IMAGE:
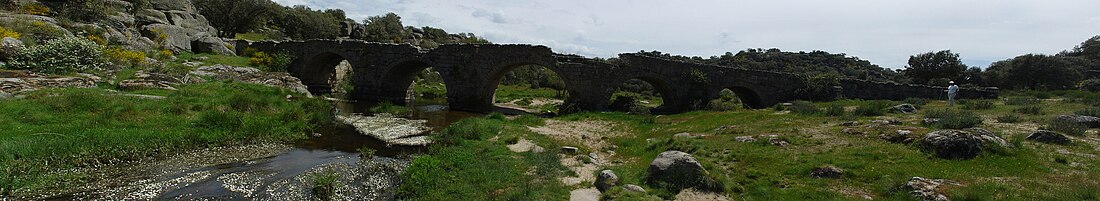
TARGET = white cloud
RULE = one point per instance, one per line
(884, 32)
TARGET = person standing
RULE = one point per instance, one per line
(952, 90)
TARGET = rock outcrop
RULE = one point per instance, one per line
(1049, 137)
(1089, 121)
(960, 144)
(248, 75)
(15, 82)
(389, 129)
(927, 189)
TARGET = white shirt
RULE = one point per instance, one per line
(953, 89)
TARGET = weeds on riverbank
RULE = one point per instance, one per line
(57, 129)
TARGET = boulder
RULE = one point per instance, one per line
(172, 5)
(176, 37)
(904, 109)
(1049, 137)
(605, 180)
(829, 172)
(9, 47)
(988, 137)
(952, 144)
(212, 45)
(677, 169)
(745, 139)
(1089, 121)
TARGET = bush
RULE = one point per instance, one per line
(59, 56)
(6, 33)
(1008, 118)
(953, 119)
(804, 108)
(1092, 85)
(977, 105)
(1067, 127)
(261, 59)
(120, 56)
(1032, 110)
(280, 62)
(1021, 100)
(835, 110)
(872, 108)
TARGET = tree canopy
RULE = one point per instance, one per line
(935, 66)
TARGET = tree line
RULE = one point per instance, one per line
(274, 21)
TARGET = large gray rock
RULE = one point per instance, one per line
(212, 45)
(605, 180)
(1049, 137)
(988, 137)
(952, 144)
(172, 5)
(1089, 121)
(176, 37)
(9, 47)
(677, 169)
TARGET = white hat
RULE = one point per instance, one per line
(951, 82)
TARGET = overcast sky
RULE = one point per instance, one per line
(886, 32)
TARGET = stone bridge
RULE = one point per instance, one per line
(385, 72)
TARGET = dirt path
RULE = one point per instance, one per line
(594, 136)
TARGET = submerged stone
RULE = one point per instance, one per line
(389, 129)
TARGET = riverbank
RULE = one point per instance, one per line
(60, 129)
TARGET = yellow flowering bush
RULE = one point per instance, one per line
(5, 32)
(122, 56)
(35, 9)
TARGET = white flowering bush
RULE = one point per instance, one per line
(61, 56)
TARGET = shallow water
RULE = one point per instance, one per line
(285, 173)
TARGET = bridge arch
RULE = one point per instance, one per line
(319, 71)
(397, 81)
(660, 86)
(750, 98)
(496, 78)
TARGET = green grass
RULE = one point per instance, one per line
(761, 171)
(466, 165)
(53, 130)
(252, 36)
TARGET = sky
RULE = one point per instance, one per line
(885, 32)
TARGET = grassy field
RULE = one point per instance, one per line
(58, 129)
(758, 170)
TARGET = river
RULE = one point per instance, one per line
(272, 171)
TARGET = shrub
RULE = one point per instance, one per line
(1095, 112)
(804, 108)
(5, 33)
(259, 59)
(324, 184)
(953, 119)
(97, 39)
(1092, 85)
(1019, 100)
(60, 56)
(1065, 126)
(1032, 110)
(34, 9)
(1008, 118)
(280, 62)
(120, 56)
(366, 151)
(977, 105)
(872, 108)
(835, 110)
